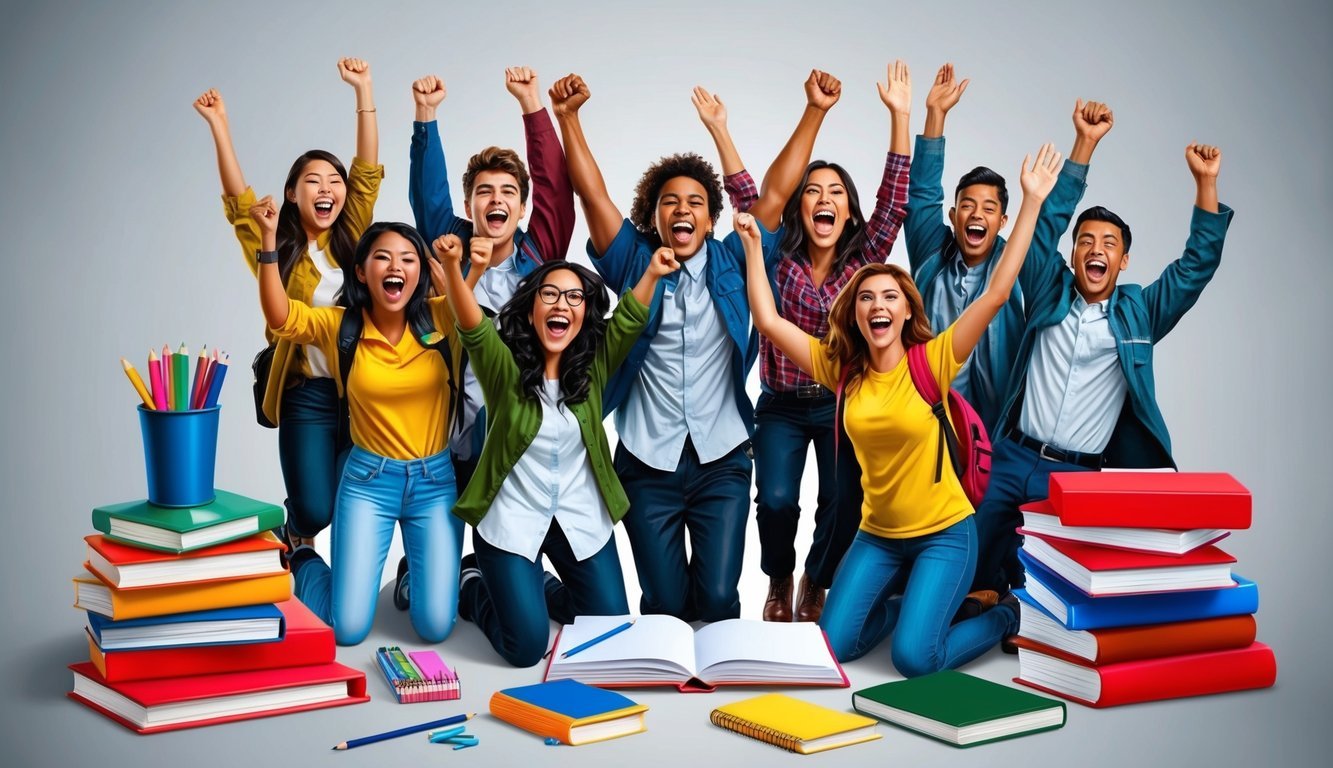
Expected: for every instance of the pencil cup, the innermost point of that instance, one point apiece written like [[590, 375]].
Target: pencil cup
[[179, 451]]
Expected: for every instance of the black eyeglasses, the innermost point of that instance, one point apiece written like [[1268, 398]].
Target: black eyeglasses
[[550, 294]]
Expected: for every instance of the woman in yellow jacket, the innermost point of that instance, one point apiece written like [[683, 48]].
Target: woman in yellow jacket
[[324, 211]]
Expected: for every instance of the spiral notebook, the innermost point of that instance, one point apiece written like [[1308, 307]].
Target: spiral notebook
[[793, 724], [416, 676]]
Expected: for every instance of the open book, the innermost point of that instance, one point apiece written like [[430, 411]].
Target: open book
[[663, 650]]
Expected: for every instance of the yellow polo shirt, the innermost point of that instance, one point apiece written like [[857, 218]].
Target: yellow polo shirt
[[897, 439], [398, 397]]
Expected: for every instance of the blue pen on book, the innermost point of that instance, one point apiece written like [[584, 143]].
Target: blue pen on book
[[607, 634]]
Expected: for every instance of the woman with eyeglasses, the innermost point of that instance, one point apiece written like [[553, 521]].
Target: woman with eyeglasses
[[544, 484]]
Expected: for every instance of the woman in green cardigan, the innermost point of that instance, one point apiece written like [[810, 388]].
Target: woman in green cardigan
[[544, 484]]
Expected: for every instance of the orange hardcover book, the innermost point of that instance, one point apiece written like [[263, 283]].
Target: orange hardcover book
[[130, 567], [1114, 645], [307, 641], [93, 594]]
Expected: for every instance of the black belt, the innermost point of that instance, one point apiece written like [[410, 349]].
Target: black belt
[[1051, 453], [806, 392]]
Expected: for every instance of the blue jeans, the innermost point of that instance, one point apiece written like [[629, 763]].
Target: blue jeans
[[511, 604], [785, 426], [375, 493], [711, 501], [1017, 476], [932, 572], [309, 453]]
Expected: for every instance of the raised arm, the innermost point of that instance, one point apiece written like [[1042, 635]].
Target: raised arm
[[1037, 182], [467, 313], [428, 175], [214, 112], [356, 73], [567, 95], [822, 91], [789, 338], [891, 199], [943, 96], [736, 181], [925, 225], [552, 199], [1172, 294], [1043, 266], [272, 296]]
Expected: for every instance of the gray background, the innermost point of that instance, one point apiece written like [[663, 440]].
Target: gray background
[[117, 243]]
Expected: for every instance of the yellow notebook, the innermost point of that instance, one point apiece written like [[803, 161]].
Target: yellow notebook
[[793, 724], [92, 594]]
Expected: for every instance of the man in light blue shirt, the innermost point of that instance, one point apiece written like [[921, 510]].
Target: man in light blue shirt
[[1084, 395]]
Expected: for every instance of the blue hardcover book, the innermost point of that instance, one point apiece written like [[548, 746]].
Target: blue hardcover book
[[1076, 610], [262, 623], [568, 710]]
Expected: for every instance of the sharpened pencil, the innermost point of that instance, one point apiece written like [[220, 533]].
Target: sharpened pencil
[[405, 731]]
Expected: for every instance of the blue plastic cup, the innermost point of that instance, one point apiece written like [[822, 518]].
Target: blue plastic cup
[[180, 449]]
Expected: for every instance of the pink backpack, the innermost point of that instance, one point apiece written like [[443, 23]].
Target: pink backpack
[[969, 447]]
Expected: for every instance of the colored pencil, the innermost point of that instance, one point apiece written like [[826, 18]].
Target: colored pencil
[[605, 635], [200, 368], [211, 370], [405, 731], [155, 380], [169, 377], [138, 385], [215, 386], [180, 374]]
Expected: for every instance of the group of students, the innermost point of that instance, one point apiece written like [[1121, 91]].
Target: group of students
[[460, 371]]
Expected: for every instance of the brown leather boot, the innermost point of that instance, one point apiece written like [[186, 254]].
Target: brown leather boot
[[809, 601], [778, 605]]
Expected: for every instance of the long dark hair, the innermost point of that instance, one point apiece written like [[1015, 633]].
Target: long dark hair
[[844, 341], [516, 330], [292, 236], [355, 294], [853, 237]]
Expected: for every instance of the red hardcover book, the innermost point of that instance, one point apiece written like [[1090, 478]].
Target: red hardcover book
[[1131, 682], [1178, 500], [1103, 571], [152, 706], [129, 567], [307, 641]]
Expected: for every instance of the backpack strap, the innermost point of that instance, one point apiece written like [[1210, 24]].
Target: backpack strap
[[837, 414], [929, 389]]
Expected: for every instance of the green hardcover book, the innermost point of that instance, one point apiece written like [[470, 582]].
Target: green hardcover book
[[960, 709], [229, 516]]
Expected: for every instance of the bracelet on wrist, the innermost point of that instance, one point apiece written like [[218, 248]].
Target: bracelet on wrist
[[267, 257], [359, 110]]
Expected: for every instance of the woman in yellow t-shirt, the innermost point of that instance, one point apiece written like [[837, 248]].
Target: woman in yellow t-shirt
[[917, 535], [398, 402], [325, 208]]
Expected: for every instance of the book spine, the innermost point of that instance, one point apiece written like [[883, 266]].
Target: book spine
[[754, 730]]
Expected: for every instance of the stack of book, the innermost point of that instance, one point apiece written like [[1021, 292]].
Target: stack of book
[[191, 620], [1128, 599]]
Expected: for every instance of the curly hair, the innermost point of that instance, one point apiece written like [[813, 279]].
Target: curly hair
[[517, 332], [853, 237], [687, 164], [844, 342], [496, 159]]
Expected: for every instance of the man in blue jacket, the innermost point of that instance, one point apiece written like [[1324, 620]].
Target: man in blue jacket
[[1083, 394]]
